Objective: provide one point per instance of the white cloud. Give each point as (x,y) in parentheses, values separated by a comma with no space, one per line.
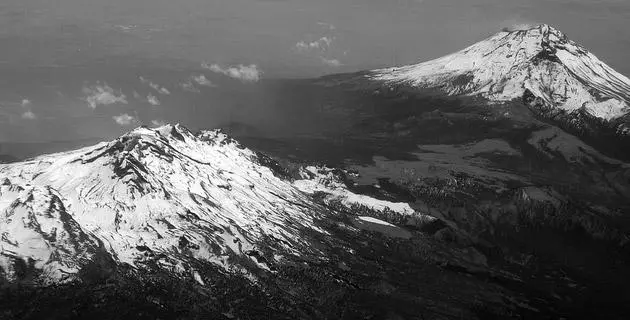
(29,115)
(322,44)
(125,28)
(153,100)
(154,86)
(241,72)
(26,103)
(157,123)
(331,62)
(124,119)
(517,24)
(319,49)
(327,25)
(102,94)
(159,89)
(189,86)
(518,27)
(203,81)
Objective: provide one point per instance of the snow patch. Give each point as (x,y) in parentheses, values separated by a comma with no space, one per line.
(376,221)
(324,180)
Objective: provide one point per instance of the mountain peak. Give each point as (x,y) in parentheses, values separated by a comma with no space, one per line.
(538,61)
(161,197)
(150,188)
(542,30)
(177,131)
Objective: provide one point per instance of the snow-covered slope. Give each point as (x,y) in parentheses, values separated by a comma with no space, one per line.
(163,191)
(540,61)
(164,195)
(35,226)
(322,179)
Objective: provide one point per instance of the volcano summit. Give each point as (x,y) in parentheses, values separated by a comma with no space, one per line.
(540,63)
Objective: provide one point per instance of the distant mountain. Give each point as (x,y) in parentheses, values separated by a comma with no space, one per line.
(539,65)
(531,76)
(518,143)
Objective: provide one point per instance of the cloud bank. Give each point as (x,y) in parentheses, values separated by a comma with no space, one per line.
(102,94)
(249,73)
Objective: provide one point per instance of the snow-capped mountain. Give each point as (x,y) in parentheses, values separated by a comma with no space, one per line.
(163,194)
(540,65)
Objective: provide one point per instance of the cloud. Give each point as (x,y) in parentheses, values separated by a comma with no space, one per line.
(29,115)
(322,44)
(124,119)
(153,100)
(331,62)
(327,25)
(319,49)
(189,86)
(241,72)
(518,27)
(516,24)
(154,86)
(125,28)
(202,80)
(159,89)
(102,94)
(157,123)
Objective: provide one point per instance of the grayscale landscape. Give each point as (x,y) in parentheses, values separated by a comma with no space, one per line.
(291,159)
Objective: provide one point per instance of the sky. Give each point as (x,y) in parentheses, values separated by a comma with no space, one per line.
(56,54)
